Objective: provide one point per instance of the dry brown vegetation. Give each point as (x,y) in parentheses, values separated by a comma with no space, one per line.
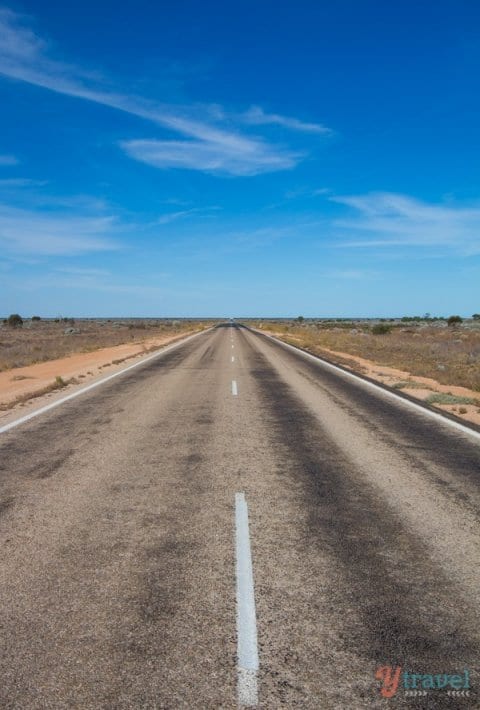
(450,355)
(58,384)
(39,341)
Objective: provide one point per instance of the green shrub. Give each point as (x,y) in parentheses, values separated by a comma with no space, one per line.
(405,384)
(445,398)
(14,320)
(454,320)
(381,329)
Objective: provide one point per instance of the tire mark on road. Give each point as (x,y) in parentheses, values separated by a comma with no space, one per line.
(403,598)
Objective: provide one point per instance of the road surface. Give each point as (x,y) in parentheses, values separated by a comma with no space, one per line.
(121,515)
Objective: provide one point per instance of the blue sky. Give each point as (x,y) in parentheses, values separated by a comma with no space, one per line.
(255,158)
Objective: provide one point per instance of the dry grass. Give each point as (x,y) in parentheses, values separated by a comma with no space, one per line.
(445,398)
(409,384)
(39,341)
(449,355)
(58,384)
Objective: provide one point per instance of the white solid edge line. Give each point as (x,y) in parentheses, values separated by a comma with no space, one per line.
(247,649)
(58,402)
(386,393)
(234,388)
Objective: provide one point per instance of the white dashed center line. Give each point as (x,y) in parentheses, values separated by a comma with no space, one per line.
(234,388)
(233,359)
(247,651)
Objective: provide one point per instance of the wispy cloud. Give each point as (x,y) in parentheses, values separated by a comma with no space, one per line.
(24,231)
(306,192)
(350,274)
(24,57)
(70,280)
(215,157)
(174,216)
(82,271)
(250,240)
(7,160)
(388,219)
(21,182)
(177,201)
(256,116)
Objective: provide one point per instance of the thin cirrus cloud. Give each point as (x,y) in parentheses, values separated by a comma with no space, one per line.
(25,231)
(204,147)
(207,156)
(350,274)
(392,220)
(82,271)
(181,214)
(68,279)
(256,116)
(21,182)
(8,160)
(173,216)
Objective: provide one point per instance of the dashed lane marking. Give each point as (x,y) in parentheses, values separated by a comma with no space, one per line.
(247,649)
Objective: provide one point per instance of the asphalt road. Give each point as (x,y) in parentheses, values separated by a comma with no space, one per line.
(117,538)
